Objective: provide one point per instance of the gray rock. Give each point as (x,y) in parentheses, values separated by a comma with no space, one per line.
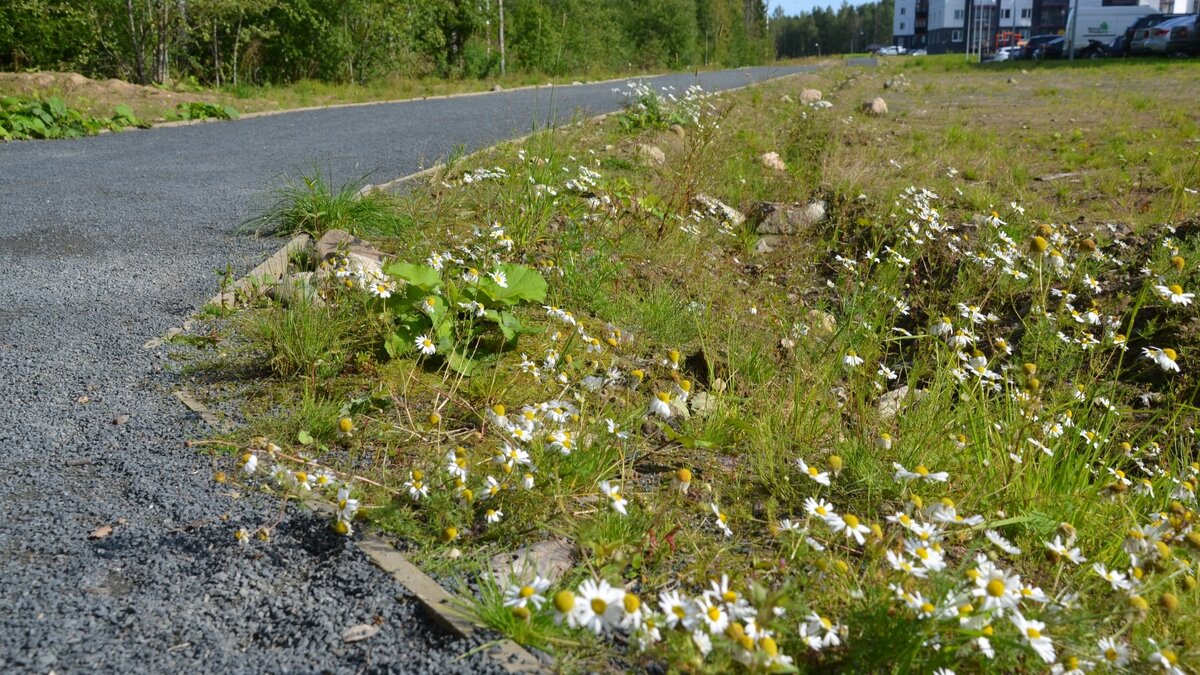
(496,87)
(719,208)
(651,154)
(786,99)
(775,218)
(768,243)
(772,161)
(810,96)
(549,558)
(876,107)
(336,242)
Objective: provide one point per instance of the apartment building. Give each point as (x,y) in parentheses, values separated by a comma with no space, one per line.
(942,26)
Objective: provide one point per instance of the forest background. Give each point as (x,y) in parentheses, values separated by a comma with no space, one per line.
(232,43)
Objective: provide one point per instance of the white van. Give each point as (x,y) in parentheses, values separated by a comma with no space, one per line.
(1102,24)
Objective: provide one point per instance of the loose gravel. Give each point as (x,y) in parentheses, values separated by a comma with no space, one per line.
(107,242)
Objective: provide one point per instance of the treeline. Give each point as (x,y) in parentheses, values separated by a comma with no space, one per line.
(827,31)
(278,41)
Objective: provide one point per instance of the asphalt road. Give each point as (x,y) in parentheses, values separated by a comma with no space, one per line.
(108,241)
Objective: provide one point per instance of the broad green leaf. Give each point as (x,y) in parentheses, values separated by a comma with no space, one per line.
(421,276)
(304,438)
(523,284)
(56,106)
(511,326)
(399,344)
(231,112)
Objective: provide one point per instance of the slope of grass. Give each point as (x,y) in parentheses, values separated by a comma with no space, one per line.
(898,439)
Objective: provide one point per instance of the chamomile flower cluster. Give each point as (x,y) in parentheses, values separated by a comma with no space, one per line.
(720,618)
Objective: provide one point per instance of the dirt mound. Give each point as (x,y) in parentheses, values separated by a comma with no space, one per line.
(99,97)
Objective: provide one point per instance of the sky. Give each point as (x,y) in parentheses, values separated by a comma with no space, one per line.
(792,7)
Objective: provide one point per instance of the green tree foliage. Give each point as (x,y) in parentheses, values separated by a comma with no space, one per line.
(226,42)
(841,31)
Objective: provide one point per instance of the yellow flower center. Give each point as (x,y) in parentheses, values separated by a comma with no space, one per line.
(632,603)
(927,608)
(1175,289)
(922,470)
(564,601)
(995,588)
(851,520)
(599,606)
(679,611)
(1033,633)
(812,471)
(713,614)
(526,591)
(769,647)
(729,596)
(1111,654)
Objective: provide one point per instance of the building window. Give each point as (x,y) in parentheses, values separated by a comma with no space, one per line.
(956,36)
(1007,14)
(1026,12)
(901,25)
(958,15)
(903,10)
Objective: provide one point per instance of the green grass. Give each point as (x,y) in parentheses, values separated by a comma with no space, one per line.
(312,205)
(1035,444)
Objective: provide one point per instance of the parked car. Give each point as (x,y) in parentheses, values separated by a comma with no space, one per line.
(1177,36)
(1034,42)
(895,50)
(919,52)
(1050,49)
(1006,54)
(1138,31)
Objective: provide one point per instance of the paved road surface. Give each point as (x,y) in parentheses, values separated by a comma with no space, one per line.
(106,242)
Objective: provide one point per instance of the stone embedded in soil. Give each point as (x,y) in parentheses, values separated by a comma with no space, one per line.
(549,558)
(651,154)
(810,96)
(777,218)
(876,107)
(714,205)
(772,161)
(334,242)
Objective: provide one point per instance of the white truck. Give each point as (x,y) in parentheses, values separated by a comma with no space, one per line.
(1102,24)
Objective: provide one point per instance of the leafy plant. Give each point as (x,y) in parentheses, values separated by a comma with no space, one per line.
(461,321)
(29,118)
(199,110)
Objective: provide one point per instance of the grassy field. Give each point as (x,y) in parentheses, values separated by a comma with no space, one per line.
(948,426)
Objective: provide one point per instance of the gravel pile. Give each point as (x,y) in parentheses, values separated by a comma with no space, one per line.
(105,243)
